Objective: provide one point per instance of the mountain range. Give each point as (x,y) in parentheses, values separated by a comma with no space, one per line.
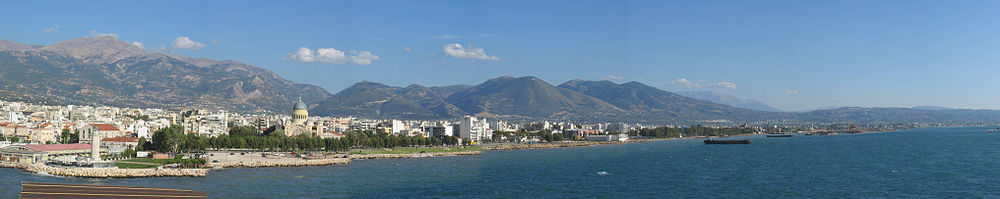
(729,100)
(530,98)
(107,71)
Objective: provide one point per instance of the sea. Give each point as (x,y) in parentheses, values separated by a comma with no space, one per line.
(918,163)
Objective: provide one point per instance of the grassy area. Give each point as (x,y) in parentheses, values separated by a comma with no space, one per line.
(124,165)
(415,150)
(146,160)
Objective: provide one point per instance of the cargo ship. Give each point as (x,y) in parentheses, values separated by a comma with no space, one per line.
(711,141)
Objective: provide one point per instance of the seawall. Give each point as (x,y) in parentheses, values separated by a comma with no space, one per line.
(285,163)
(107,172)
(550,145)
(412,155)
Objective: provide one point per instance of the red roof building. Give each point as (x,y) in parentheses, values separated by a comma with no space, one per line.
(120,139)
(59,147)
(105,127)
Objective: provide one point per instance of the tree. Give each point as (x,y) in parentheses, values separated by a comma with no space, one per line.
(128,153)
(168,140)
(243,131)
(64,136)
(143,145)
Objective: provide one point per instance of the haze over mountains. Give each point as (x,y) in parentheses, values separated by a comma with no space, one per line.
(729,100)
(107,71)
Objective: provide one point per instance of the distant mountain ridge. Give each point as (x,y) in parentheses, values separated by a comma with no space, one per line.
(107,71)
(525,96)
(729,100)
(376,100)
(528,98)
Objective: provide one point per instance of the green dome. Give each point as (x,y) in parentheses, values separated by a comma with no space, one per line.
(300,106)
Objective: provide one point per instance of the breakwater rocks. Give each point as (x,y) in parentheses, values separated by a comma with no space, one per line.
(549,145)
(108,172)
(284,163)
(412,155)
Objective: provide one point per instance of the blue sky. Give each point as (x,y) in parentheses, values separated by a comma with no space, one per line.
(792,55)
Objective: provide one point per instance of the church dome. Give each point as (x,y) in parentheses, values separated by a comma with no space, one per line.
(300,106)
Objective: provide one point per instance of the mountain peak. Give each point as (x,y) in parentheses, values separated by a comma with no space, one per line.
(105,48)
(10,45)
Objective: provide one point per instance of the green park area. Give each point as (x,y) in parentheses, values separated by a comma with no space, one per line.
(137,163)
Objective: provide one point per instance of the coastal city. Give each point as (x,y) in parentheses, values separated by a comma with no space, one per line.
(499,99)
(66,139)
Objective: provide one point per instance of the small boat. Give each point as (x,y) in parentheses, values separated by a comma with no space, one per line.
(779,135)
(711,141)
(993,130)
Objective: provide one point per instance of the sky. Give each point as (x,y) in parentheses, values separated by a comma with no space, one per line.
(792,55)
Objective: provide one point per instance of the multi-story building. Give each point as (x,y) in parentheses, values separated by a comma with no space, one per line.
(103,130)
(474,130)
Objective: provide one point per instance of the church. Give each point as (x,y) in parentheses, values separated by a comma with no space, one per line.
(300,124)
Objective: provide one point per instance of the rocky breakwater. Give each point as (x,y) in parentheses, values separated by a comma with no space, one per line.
(285,162)
(412,155)
(108,172)
(549,145)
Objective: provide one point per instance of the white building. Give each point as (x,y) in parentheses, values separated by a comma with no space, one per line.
(474,130)
(98,130)
(397,127)
(607,138)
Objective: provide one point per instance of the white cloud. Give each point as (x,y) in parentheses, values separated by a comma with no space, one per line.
(685,82)
(138,44)
(332,56)
(728,85)
(446,36)
(613,77)
(94,33)
(51,29)
(456,51)
(363,58)
(791,92)
(187,43)
(407,49)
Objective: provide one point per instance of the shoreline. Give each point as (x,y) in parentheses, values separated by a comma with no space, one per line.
(106,172)
(344,160)
(410,155)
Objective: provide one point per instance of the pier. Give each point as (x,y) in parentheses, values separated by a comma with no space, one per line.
(84,191)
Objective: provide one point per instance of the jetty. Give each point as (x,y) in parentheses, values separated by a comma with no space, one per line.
(711,141)
(779,135)
(86,191)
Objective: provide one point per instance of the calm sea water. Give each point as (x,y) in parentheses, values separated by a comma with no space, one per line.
(921,163)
